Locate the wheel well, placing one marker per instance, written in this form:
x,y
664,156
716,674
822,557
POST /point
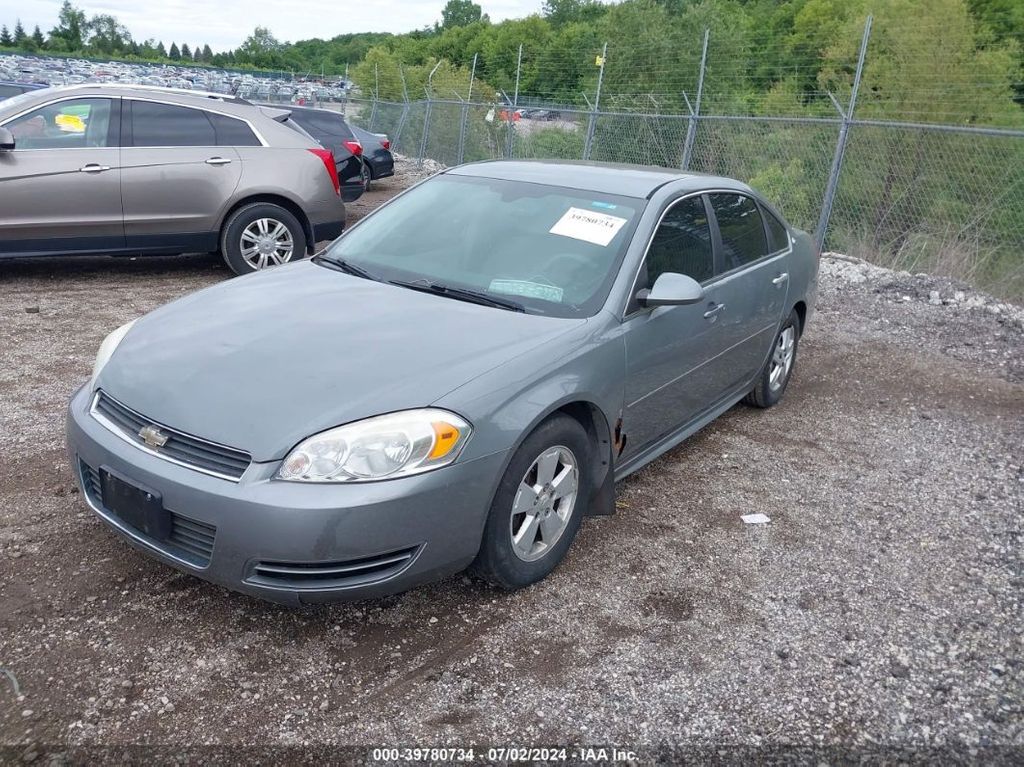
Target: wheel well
x,y
284,202
369,167
801,312
593,421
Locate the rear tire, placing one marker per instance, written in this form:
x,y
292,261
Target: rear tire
x,y
774,378
259,235
534,518
366,175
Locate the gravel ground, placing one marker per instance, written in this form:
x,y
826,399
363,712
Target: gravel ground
x,y
880,607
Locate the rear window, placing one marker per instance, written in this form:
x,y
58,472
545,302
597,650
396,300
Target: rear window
x,y
739,222
166,125
324,123
232,132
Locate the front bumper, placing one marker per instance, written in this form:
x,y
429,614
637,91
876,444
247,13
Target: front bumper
x,y
290,542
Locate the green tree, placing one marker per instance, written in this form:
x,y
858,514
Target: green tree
x,y
174,54
108,36
207,54
160,50
186,52
37,38
560,12
6,40
69,34
19,34
460,13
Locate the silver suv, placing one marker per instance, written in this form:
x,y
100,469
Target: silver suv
x,y
129,169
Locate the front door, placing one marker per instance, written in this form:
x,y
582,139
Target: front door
x,y
670,351
175,179
61,185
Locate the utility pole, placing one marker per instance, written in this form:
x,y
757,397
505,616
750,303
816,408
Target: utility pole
x,y
588,146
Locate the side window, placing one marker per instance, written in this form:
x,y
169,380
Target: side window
x,y
167,125
232,132
778,237
742,232
71,124
682,244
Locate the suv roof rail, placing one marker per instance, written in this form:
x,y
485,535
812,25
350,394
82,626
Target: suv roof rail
x,y
230,97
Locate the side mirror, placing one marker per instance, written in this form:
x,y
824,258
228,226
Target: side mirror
x,y
671,289
6,140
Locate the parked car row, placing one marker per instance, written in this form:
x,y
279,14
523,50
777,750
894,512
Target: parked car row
x,y
59,71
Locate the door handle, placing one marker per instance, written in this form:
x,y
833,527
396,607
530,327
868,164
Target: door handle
x,y
218,161
94,168
781,279
712,313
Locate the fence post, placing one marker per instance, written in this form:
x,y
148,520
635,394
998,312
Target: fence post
x,y
426,117
404,117
515,105
691,127
376,98
844,132
465,115
592,122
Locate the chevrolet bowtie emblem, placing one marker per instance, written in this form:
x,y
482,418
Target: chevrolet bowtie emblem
x,y
152,436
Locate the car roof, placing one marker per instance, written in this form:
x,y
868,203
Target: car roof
x,y
639,181
172,95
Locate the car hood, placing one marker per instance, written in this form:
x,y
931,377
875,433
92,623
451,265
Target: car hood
x,y
261,362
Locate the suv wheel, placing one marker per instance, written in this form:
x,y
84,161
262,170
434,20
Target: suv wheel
x,y
366,175
260,235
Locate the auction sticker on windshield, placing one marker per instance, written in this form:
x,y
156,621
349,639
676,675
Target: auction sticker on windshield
x,y
589,226
527,289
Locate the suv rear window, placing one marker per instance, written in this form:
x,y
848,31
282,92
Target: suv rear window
x,y
166,125
324,123
232,132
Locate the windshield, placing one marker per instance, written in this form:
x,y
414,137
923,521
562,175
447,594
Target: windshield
x,y
553,250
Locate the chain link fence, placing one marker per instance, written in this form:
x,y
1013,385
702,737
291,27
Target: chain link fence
x,y
945,199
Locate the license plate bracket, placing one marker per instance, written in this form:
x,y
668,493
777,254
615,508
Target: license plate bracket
x,y
139,507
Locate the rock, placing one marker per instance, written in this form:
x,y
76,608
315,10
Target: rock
x,y
31,310
934,298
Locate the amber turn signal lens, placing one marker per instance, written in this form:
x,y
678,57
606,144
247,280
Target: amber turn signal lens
x,y
446,437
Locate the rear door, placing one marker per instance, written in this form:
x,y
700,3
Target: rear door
x,y
176,176
752,286
61,186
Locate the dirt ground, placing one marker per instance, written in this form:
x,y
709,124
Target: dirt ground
x,y
880,607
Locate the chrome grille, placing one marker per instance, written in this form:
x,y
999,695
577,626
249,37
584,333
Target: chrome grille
x,y
320,575
193,452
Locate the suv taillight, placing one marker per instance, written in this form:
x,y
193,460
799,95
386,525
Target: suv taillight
x,y
385,143
332,170
354,147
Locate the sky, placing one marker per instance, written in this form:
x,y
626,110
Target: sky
x,y
223,24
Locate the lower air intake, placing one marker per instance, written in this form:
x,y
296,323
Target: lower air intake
x,y
328,575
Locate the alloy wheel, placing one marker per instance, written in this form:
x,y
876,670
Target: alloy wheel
x,y
782,358
544,503
266,241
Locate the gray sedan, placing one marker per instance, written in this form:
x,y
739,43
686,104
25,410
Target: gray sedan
x,y
454,383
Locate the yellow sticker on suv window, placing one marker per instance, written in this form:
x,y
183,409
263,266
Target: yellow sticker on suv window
x,y
588,225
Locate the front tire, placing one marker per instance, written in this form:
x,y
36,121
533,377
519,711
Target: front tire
x,y
260,235
538,507
779,369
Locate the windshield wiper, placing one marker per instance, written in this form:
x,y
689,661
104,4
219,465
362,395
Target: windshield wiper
x,y
347,267
460,294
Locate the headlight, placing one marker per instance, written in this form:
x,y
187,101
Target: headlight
x,y
107,350
382,447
